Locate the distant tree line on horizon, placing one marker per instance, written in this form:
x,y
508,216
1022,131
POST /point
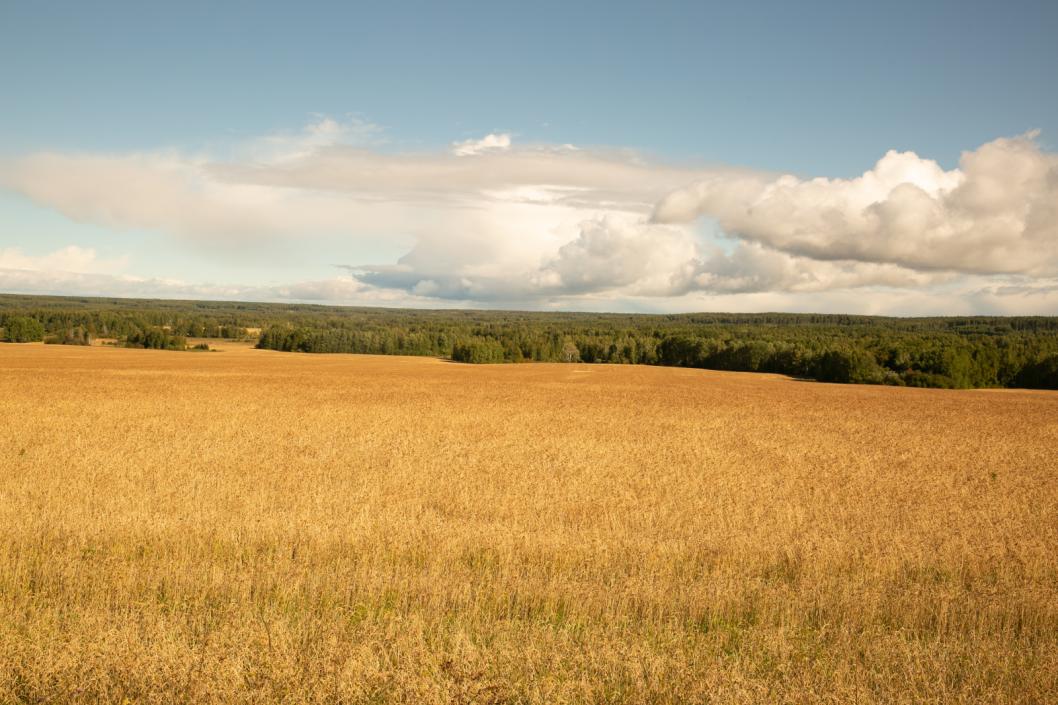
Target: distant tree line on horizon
x,y
951,352
830,354
162,325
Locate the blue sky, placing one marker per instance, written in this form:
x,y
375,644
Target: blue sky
x,y
166,103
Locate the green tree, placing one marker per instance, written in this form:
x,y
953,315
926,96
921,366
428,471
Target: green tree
x,y
22,329
1042,374
848,367
478,351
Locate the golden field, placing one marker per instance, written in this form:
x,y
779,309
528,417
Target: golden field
x,y
252,526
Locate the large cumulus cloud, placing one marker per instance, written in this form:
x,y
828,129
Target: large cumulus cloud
x,y
996,213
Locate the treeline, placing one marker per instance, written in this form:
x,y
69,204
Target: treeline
x,y
77,321
20,329
824,353
954,352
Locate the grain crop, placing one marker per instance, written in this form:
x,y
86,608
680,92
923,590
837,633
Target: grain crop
x,y
250,526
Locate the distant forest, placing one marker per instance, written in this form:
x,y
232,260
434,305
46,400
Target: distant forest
x,y
951,352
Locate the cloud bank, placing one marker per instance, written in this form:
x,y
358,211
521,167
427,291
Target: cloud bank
x,y
493,222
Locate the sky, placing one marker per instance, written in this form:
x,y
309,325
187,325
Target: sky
x,y
892,158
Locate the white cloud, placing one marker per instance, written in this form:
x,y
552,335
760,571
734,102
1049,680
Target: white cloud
x,y
980,295
622,256
176,194
490,142
751,267
67,259
335,189
489,222
614,253
997,213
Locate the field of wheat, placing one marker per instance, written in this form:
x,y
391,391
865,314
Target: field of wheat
x,y
251,526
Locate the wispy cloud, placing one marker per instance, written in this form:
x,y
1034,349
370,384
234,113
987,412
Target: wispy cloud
x,y
490,142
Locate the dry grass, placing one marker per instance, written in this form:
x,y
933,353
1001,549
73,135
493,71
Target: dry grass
x,y
250,526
